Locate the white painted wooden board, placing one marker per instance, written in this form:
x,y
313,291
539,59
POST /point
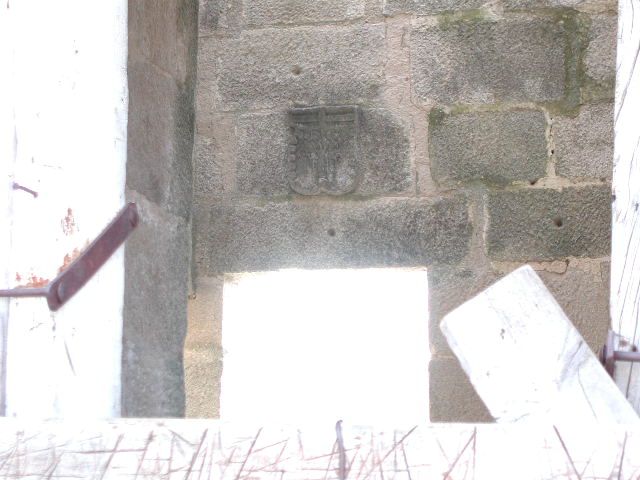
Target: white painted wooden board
x,y
64,64
527,361
625,248
195,449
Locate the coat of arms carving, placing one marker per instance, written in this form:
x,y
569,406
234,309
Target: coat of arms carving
x,y
324,150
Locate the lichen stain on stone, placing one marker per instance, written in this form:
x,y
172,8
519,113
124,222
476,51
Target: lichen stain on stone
x,y
69,223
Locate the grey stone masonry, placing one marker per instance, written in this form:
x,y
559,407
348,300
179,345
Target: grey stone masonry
x,y
584,145
221,14
394,232
600,57
544,224
526,4
294,66
495,147
429,7
486,61
263,166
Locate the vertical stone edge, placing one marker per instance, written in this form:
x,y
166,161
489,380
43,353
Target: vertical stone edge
x,y
157,255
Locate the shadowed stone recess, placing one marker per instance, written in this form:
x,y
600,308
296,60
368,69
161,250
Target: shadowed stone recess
x,y
452,398
544,224
584,145
263,164
493,147
307,66
398,232
489,61
429,7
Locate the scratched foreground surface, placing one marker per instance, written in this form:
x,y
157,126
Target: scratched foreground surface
x,y
192,449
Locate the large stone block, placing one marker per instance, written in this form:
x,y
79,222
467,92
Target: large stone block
x,y
226,14
495,147
584,145
451,395
490,61
155,313
527,4
428,7
600,57
327,234
160,140
304,66
544,224
277,12
264,167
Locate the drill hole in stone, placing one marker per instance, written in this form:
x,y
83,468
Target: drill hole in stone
x,y
296,70
557,221
331,232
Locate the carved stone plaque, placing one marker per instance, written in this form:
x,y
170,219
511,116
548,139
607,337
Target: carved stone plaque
x,y
324,151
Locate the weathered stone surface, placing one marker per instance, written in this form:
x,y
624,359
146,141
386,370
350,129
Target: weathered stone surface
x,y
277,12
160,143
522,4
207,171
449,287
155,313
269,68
600,57
429,7
495,147
585,299
262,153
262,160
489,61
584,145
543,224
451,395
392,232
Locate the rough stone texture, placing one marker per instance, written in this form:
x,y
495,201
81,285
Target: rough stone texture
x,y
275,12
207,171
489,61
262,161
600,57
451,395
526,4
307,66
262,146
225,14
161,70
155,318
495,147
584,145
450,287
543,224
161,151
428,7
585,299
249,237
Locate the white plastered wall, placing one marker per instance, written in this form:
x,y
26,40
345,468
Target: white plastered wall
x,y
63,130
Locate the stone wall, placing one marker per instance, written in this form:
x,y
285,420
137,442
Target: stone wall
x,y
162,78
483,134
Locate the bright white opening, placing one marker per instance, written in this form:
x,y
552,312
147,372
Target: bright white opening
x,y
304,346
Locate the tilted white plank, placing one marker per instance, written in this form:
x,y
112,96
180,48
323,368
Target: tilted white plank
x,y
625,242
199,449
527,361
